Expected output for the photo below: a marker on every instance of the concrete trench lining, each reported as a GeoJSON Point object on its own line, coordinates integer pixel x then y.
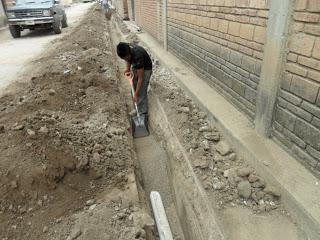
{"type": "Point", "coordinates": [196, 216]}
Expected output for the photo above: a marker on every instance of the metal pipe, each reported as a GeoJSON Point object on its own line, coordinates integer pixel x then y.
{"type": "Point", "coordinates": [160, 217]}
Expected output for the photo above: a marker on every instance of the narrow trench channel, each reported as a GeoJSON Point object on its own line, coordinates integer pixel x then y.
{"type": "Point", "coordinates": [153, 164]}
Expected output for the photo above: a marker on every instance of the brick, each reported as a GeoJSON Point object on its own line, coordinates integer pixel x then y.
{"type": "Point", "coordinates": [258, 55]}
{"type": "Point", "coordinates": [238, 87]}
{"type": "Point", "coordinates": [245, 50]}
{"type": "Point", "coordinates": [311, 108]}
{"type": "Point", "coordinates": [243, 19]}
{"type": "Point", "coordinates": [299, 112]}
{"type": "Point", "coordinates": [309, 62]}
{"type": "Point", "coordinates": [304, 156]}
{"type": "Point", "coordinates": [294, 138]}
{"type": "Point", "coordinates": [312, 29]}
{"type": "Point", "coordinates": [302, 44]}
{"type": "Point", "coordinates": [314, 75]}
{"type": "Point", "coordinates": [234, 28]}
{"type": "Point", "coordinates": [286, 81]}
{"type": "Point", "coordinates": [242, 3]}
{"type": "Point", "coordinates": [318, 101]}
{"type": "Point", "coordinates": [282, 103]}
{"type": "Point", "coordinates": [313, 152]}
{"type": "Point", "coordinates": [250, 95]}
{"type": "Point", "coordinates": [278, 127]}
{"type": "Point", "coordinates": [254, 78]}
{"type": "Point", "coordinates": [300, 4]}
{"type": "Point", "coordinates": [214, 24]}
{"type": "Point", "coordinates": [258, 4]}
{"type": "Point", "coordinates": [316, 49]}
{"type": "Point", "coordinates": [283, 139]}
{"type": "Point", "coordinates": [292, 57]}
{"type": "Point", "coordinates": [290, 97]}
{"type": "Point", "coordinates": [314, 6]}
{"type": "Point", "coordinates": [223, 26]}
{"type": "Point", "coordinates": [295, 68]}
{"type": "Point", "coordinates": [304, 88]}
{"type": "Point", "coordinates": [263, 13]}
{"type": "Point", "coordinates": [249, 82]}
{"type": "Point", "coordinates": [297, 27]}
{"type": "Point", "coordinates": [243, 72]}
{"type": "Point", "coordinates": [235, 58]}
{"type": "Point", "coordinates": [316, 122]}
{"type": "Point", "coordinates": [306, 17]}
{"type": "Point", "coordinates": [230, 3]}
{"type": "Point", "coordinates": [308, 133]}
{"type": "Point", "coordinates": [258, 21]}
{"type": "Point", "coordinates": [285, 118]}
{"type": "Point", "coordinates": [246, 31]}
{"type": "Point", "coordinates": [248, 64]}
{"type": "Point", "coordinates": [257, 67]}
{"type": "Point", "coordinates": [259, 34]}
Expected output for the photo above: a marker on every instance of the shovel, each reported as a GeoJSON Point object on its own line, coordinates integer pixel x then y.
{"type": "Point", "coordinates": [139, 122]}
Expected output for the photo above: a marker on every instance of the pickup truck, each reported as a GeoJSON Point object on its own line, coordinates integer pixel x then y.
{"type": "Point", "coordinates": [34, 14]}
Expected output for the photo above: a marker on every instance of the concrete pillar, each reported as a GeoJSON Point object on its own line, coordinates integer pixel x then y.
{"type": "Point", "coordinates": [273, 62]}
{"type": "Point", "coordinates": [164, 25]}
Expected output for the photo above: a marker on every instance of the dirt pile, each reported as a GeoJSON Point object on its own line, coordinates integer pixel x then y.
{"type": "Point", "coordinates": [65, 139]}
{"type": "Point", "coordinates": [223, 173]}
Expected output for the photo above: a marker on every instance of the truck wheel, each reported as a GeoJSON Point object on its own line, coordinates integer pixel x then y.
{"type": "Point", "coordinates": [64, 21]}
{"type": "Point", "coordinates": [15, 31]}
{"type": "Point", "coordinates": [57, 25]}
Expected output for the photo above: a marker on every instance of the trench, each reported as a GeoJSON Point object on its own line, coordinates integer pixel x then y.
{"type": "Point", "coordinates": [164, 165]}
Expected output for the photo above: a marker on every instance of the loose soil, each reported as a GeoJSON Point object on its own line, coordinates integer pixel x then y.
{"type": "Point", "coordinates": [66, 165]}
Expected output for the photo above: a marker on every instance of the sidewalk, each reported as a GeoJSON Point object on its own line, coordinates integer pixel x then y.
{"type": "Point", "coordinates": [300, 189]}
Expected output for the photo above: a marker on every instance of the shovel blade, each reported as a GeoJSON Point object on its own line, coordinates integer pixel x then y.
{"type": "Point", "coordinates": [140, 126]}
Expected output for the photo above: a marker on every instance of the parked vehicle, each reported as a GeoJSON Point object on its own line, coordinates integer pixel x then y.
{"type": "Point", "coordinates": [34, 14]}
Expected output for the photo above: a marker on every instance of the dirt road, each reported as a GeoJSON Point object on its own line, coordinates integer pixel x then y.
{"type": "Point", "coordinates": [16, 53]}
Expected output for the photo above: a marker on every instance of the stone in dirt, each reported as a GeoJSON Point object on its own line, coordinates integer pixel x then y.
{"type": "Point", "coordinates": [205, 144]}
{"type": "Point", "coordinates": [44, 130]}
{"type": "Point", "coordinates": [96, 157]}
{"type": "Point", "coordinates": [213, 136]}
{"type": "Point", "coordinates": [14, 184]}
{"type": "Point", "coordinates": [223, 148]}
{"type": "Point", "coordinates": [74, 234]}
{"type": "Point", "coordinates": [45, 229]}
{"type": "Point", "coordinates": [244, 189]}
{"type": "Point", "coordinates": [232, 157]}
{"type": "Point", "coordinates": [244, 172]}
{"type": "Point", "coordinates": [1, 129]}
{"type": "Point", "coordinates": [205, 129]}
{"type": "Point", "coordinates": [272, 191]}
{"type": "Point", "coordinates": [202, 115]}
{"type": "Point", "coordinates": [184, 109]}
{"type": "Point", "coordinates": [217, 185]}
{"type": "Point", "coordinates": [18, 127]}
{"type": "Point", "coordinates": [52, 92]}
{"type": "Point", "coordinates": [259, 184]}
{"type": "Point", "coordinates": [201, 162]}
{"type": "Point", "coordinates": [31, 133]}
{"type": "Point", "coordinates": [90, 202]}
{"type": "Point", "coordinates": [253, 178]}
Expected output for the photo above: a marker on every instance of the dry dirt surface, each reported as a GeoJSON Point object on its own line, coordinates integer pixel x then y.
{"type": "Point", "coordinates": [66, 148]}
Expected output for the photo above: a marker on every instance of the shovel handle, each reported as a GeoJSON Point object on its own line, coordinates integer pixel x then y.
{"type": "Point", "coordinates": [130, 76]}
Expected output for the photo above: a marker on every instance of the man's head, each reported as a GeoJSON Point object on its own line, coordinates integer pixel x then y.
{"type": "Point", "coordinates": [123, 51]}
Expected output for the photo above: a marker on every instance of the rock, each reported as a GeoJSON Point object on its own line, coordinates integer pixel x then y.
{"type": "Point", "coordinates": [202, 115]}
{"type": "Point", "coordinates": [31, 133]}
{"type": "Point", "coordinates": [18, 127]}
{"type": "Point", "coordinates": [201, 162]}
{"type": "Point", "coordinates": [97, 148]}
{"type": "Point", "coordinates": [205, 129]}
{"type": "Point", "coordinates": [1, 129]}
{"type": "Point", "coordinates": [253, 178]}
{"type": "Point", "coordinates": [260, 195]}
{"type": "Point", "coordinates": [23, 210]}
{"type": "Point", "coordinates": [66, 72]}
{"type": "Point", "coordinates": [214, 136]}
{"type": "Point", "coordinates": [96, 157]}
{"type": "Point", "coordinates": [45, 229]}
{"type": "Point", "coordinates": [272, 191]}
{"type": "Point", "coordinates": [232, 157]}
{"type": "Point", "coordinates": [75, 233]}
{"type": "Point", "coordinates": [205, 144]}
{"type": "Point", "coordinates": [244, 172]}
{"type": "Point", "coordinates": [218, 185]}
{"type": "Point", "coordinates": [44, 130]}
{"type": "Point", "coordinates": [223, 148]}
{"type": "Point", "coordinates": [90, 202]}
{"type": "Point", "coordinates": [14, 184]}
{"type": "Point", "coordinates": [52, 92]}
{"type": "Point", "coordinates": [184, 109]}
{"type": "Point", "coordinates": [244, 189]}
{"type": "Point", "coordinates": [259, 184]}
{"type": "Point", "coordinates": [92, 207]}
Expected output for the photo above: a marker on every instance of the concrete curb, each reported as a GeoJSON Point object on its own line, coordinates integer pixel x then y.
{"type": "Point", "coordinates": [300, 189]}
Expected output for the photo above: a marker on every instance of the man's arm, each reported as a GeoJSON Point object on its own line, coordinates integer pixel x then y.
{"type": "Point", "coordinates": [140, 73]}
{"type": "Point", "coordinates": [128, 67]}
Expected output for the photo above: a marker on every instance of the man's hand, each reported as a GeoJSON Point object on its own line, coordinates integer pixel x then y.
{"type": "Point", "coordinates": [136, 97]}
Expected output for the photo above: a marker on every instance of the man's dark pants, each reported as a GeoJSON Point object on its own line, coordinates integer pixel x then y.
{"type": "Point", "coordinates": [143, 93]}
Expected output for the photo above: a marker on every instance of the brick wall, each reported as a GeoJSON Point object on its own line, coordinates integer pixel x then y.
{"type": "Point", "coordinates": [297, 115]}
{"type": "Point", "coordinates": [149, 16]}
{"type": "Point", "coordinates": [223, 40]}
